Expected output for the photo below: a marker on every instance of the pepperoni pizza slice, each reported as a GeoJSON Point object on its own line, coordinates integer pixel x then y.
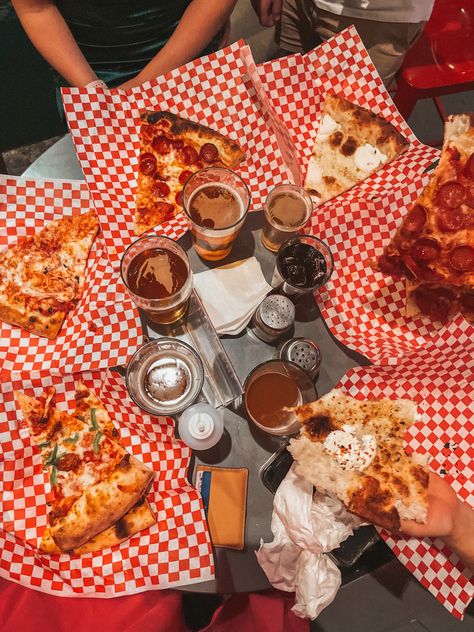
{"type": "Point", "coordinates": [171, 150]}
{"type": "Point", "coordinates": [42, 277]}
{"type": "Point", "coordinates": [94, 482]}
{"type": "Point", "coordinates": [433, 248]}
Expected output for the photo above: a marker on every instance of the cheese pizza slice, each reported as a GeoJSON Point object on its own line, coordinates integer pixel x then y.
{"type": "Point", "coordinates": [94, 481]}
{"type": "Point", "coordinates": [352, 143]}
{"type": "Point", "coordinates": [433, 248]}
{"type": "Point", "coordinates": [42, 277]}
{"type": "Point", "coordinates": [353, 450]}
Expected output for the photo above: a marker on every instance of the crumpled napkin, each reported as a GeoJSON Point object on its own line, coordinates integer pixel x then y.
{"type": "Point", "coordinates": [231, 294]}
{"type": "Point", "coordinates": [305, 527]}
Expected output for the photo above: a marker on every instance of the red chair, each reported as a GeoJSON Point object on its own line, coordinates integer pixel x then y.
{"type": "Point", "coordinates": [442, 60]}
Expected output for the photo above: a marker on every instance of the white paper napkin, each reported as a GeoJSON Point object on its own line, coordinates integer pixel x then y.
{"type": "Point", "coordinates": [231, 293]}
{"type": "Point", "coordinates": [305, 527]}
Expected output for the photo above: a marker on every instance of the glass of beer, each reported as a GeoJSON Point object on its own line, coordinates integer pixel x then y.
{"type": "Point", "coordinates": [216, 201]}
{"type": "Point", "coordinates": [270, 389]}
{"type": "Point", "coordinates": [158, 277]}
{"type": "Point", "coordinates": [287, 209]}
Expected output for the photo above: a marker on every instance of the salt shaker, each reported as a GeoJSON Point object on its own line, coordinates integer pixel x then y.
{"type": "Point", "coordinates": [274, 317]}
{"type": "Point", "coordinates": [302, 351]}
{"type": "Point", "coordinates": [201, 426]}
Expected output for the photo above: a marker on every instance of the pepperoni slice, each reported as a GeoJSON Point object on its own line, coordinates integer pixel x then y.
{"type": "Point", "coordinates": [451, 220]}
{"type": "Point", "coordinates": [179, 198]}
{"type": "Point", "coordinates": [209, 153]}
{"type": "Point", "coordinates": [184, 176]}
{"type": "Point", "coordinates": [469, 168]}
{"type": "Point", "coordinates": [158, 175]}
{"type": "Point", "coordinates": [147, 164]}
{"type": "Point", "coordinates": [414, 221]}
{"type": "Point", "coordinates": [189, 155]}
{"type": "Point", "coordinates": [461, 258]}
{"type": "Point", "coordinates": [164, 208]}
{"type": "Point", "coordinates": [425, 249]}
{"type": "Point", "coordinates": [451, 195]}
{"type": "Point", "coordinates": [160, 189]}
{"type": "Point", "coordinates": [161, 144]}
{"type": "Point", "coordinates": [390, 264]}
{"type": "Point", "coordinates": [470, 195]}
{"type": "Point", "coordinates": [414, 270]}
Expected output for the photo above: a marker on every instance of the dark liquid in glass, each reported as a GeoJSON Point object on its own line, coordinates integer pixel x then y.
{"type": "Point", "coordinates": [156, 273]}
{"type": "Point", "coordinates": [268, 395]}
{"type": "Point", "coordinates": [302, 265]}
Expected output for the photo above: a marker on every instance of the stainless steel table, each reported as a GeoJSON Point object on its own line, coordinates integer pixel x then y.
{"type": "Point", "coordinates": [402, 603]}
{"type": "Point", "coordinates": [243, 445]}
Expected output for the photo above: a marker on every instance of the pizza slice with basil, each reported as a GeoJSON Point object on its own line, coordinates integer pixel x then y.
{"type": "Point", "coordinates": [42, 276]}
{"type": "Point", "coordinates": [171, 150]}
{"type": "Point", "coordinates": [90, 410]}
{"type": "Point", "coordinates": [433, 249]}
{"type": "Point", "coordinates": [94, 481]}
{"type": "Point", "coordinates": [353, 450]}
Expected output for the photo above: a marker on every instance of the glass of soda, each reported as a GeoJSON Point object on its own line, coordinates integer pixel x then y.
{"type": "Point", "coordinates": [303, 264]}
{"type": "Point", "coordinates": [216, 201]}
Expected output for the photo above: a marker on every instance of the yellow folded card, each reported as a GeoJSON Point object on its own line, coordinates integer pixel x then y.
{"type": "Point", "coordinates": [224, 493]}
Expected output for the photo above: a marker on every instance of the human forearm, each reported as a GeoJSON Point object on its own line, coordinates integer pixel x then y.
{"type": "Point", "coordinates": [199, 24]}
{"type": "Point", "coordinates": [50, 34]}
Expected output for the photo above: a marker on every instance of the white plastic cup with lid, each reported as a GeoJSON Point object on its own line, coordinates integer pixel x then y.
{"type": "Point", "coordinates": [201, 426]}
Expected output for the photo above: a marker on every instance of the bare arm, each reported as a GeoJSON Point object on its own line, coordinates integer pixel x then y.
{"type": "Point", "coordinates": [50, 34]}
{"type": "Point", "coordinates": [448, 518]}
{"type": "Point", "coordinates": [199, 24]}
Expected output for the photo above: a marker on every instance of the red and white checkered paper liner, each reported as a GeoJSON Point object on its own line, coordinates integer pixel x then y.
{"type": "Point", "coordinates": [214, 90]}
{"type": "Point", "coordinates": [175, 551]}
{"type": "Point", "coordinates": [365, 310]}
{"type": "Point", "coordinates": [439, 379]}
{"type": "Point", "coordinates": [104, 326]}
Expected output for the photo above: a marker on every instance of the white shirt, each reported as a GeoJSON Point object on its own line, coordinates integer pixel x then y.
{"type": "Point", "coordinates": [409, 11]}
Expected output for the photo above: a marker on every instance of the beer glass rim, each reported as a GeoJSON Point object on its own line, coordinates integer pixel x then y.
{"type": "Point", "coordinates": [226, 170]}
{"type": "Point", "coordinates": [149, 238]}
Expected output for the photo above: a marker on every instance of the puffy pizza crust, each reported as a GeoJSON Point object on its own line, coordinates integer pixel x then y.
{"type": "Point", "coordinates": [103, 504]}
{"type": "Point", "coordinates": [393, 486]}
{"type": "Point", "coordinates": [332, 168]}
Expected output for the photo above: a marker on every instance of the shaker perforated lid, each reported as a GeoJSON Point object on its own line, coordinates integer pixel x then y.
{"type": "Point", "coordinates": [277, 312]}
{"type": "Point", "coordinates": [304, 352]}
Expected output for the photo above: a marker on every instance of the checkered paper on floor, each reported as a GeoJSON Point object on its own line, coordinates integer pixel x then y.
{"type": "Point", "coordinates": [103, 328]}
{"type": "Point", "coordinates": [434, 379]}
{"type": "Point", "coordinates": [173, 552]}
{"type": "Point", "coordinates": [214, 90]}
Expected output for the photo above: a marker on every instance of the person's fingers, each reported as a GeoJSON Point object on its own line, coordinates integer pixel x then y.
{"type": "Point", "coordinates": [276, 10]}
{"type": "Point", "coordinates": [263, 9]}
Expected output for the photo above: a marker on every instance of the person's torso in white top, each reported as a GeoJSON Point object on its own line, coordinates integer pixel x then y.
{"type": "Point", "coordinates": [409, 11]}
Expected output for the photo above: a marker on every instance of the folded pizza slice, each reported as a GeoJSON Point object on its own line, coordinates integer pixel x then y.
{"type": "Point", "coordinates": [353, 450]}
{"type": "Point", "coordinates": [91, 410]}
{"type": "Point", "coordinates": [171, 150]}
{"type": "Point", "coordinates": [42, 276]}
{"type": "Point", "coordinates": [433, 248]}
{"type": "Point", "coordinates": [352, 143]}
{"type": "Point", "coordinates": [94, 481]}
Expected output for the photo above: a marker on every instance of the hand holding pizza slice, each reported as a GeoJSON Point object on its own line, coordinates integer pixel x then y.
{"type": "Point", "coordinates": [353, 450]}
